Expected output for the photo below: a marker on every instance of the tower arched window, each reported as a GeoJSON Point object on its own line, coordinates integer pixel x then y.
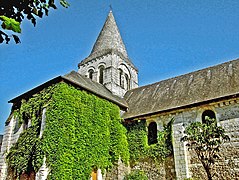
{"type": "Point", "coordinates": [127, 87]}
{"type": "Point", "coordinates": [121, 78]}
{"type": "Point", "coordinates": [91, 73]}
{"type": "Point", "coordinates": [208, 114]}
{"type": "Point", "coordinates": [152, 133]}
{"type": "Point", "coordinates": [101, 74]}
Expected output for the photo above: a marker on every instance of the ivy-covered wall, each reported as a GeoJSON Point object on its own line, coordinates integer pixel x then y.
{"type": "Point", "coordinates": [155, 160]}
{"type": "Point", "coordinates": [138, 142]}
{"type": "Point", "coordinates": [82, 132]}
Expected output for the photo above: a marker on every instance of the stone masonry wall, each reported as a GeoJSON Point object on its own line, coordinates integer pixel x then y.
{"type": "Point", "coordinates": [112, 63]}
{"type": "Point", "coordinates": [227, 166]}
{"type": "Point", "coordinates": [163, 171]}
{"type": "Point", "coordinates": [180, 152]}
{"type": "Point", "coordinates": [186, 164]}
{"type": "Point", "coordinates": [10, 137]}
{"type": "Point", "coordinates": [154, 171]}
{"type": "Point", "coordinates": [118, 171]}
{"type": "Point", "coordinates": [180, 160]}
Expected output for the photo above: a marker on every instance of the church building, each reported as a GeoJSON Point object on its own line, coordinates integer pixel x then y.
{"type": "Point", "coordinates": [109, 74]}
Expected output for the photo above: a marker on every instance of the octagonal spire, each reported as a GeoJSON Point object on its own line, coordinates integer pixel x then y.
{"type": "Point", "coordinates": [109, 37]}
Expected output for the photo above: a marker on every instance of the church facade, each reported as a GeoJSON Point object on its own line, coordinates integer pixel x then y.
{"type": "Point", "coordinates": [109, 74]}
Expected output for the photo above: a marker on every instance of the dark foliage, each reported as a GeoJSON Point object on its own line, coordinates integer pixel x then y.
{"type": "Point", "coordinates": [13, 12]}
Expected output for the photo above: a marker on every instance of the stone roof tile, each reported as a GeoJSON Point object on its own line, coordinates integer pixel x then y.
{"type": "Point", "coordinates": [196, 87]}
{"type": "Point", "coordinates": [109, 37]}
{"type": "Point", "coordinates": [94, 87]}
{"type": "Point", "coordinates": [80, 81]}
{"type": "Point", "coordinates": [108, 41]}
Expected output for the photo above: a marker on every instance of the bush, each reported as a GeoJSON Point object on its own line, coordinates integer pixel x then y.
{"type": "Point", "coordinates": [136, 175]}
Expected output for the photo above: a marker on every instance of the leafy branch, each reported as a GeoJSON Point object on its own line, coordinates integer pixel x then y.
{"type": "Point", "coordinates": [206, 139]}
{"type": "Point", "coordinates": [13, 12]}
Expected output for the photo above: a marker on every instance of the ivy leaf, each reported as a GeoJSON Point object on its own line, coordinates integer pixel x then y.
{"type": "Point", "coordinates": [10, 24]}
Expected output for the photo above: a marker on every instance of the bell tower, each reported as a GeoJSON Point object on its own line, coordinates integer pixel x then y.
{"type": "Point", "coordinates": [108, 62]}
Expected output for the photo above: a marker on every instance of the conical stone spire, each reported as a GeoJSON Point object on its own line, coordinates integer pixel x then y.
{"type": "Point", "coordinates": [110, 38]}
{"type": "Point", "coordinates": [108, 62]}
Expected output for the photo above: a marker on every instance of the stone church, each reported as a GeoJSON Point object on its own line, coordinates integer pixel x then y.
{"type": "Point", "coordinates": [109, 74]}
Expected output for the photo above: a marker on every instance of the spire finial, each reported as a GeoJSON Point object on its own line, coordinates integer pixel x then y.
{"type": "Point", "coordinates": [111, 9]}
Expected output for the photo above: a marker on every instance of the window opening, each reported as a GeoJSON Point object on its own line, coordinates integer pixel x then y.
{"type": "Point", "coordinates": [121, 78]}
{"type": "Point", "coordinates": [152, 133]}
{"type": "Point", "coordinates": [127, 82]}
{"type": "Point", "coordinates": [208, 114]}
{"type": "Point", "coordinates": [101, 74]}
{"type": "Point", "coordinates": [91, 73]}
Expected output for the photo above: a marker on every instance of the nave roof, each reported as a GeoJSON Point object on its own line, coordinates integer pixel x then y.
{"type": "Point", "coordinates": [209, 84]}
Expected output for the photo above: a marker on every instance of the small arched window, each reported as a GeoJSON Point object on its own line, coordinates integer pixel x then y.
{"type": "Point", "coordinates": [91, 73]}
{"type": "Point", "coordinates": [152, 133]}
{"type": "Point", "coordinates": [101, 74]}
{"type": "Point", "coordinates": [121, 78]}
{"type": "Point", "coordinates": [127, 82]}
{"type": "Point", "coordinates": [208, 114]}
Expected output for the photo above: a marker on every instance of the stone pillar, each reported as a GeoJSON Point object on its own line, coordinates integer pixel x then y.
{"type": "Point", "coordinates": [122, 169]}
{"type": "Point", "coordinates": [180, 152]}
{"type": "Point", "coordinates": [99, 174]}
{"type": "Point", "coordinates": [43, 171]}
{"type": "Point", "coordinates": [6, 143]}
{"type": "Point", "coordinates": [43, 122]}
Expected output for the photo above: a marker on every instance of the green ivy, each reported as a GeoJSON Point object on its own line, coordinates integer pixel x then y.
{"type": "Point", "coordinates": [26, 155]}
{"type": "Point", "coordinates": [138, 142]}
{"type": "Point", "coordinates": [136, 175]}
{"type": "Point", "coordinates": [82, 131]}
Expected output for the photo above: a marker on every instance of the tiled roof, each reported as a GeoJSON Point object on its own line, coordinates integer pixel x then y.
{"type": "Point", "coordinates": [196, 87]}
{"type": "Point", "coordinates": [94, 87]}
{"type": "Point", "coordinates": [80, 81]}
{"type": "Point", "coordinates": [109, 37]}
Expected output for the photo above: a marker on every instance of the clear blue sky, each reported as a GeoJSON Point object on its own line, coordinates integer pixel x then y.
{"type": "Point", "coordinates": [163, 38]}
